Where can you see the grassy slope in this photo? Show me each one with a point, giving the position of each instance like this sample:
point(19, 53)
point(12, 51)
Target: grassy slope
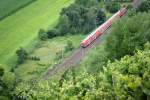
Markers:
point(7, 7)
point(22, 27)
point(47, 52)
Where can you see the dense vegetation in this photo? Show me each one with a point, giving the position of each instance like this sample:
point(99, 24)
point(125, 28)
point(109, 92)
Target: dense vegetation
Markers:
point(113, 6)
point(7, 7)
point(7, 80)
point(124, 79)
point(80, 17)
point(132, 35)
point(117, 69)
point(20, 29)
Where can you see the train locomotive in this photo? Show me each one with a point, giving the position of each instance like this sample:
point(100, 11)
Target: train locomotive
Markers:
point(102, 28)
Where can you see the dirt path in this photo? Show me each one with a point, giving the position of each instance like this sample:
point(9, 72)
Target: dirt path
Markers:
point(78, 54)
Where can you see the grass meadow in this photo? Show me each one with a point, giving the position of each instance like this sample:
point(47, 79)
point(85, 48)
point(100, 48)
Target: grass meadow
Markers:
point(21, 28)
point(7, 7)
point(46, 51)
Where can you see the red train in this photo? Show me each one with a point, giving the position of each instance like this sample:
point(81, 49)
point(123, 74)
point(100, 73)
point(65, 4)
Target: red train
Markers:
point(101, 29)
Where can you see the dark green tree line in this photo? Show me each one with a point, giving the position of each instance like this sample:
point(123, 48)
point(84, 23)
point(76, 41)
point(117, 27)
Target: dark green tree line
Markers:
point(80, 17)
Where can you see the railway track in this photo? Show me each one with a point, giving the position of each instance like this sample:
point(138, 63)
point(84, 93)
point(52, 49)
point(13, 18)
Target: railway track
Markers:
point(78, 54)
point(74, 59)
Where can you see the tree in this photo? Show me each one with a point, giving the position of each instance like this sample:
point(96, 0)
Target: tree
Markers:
point(80, 17)
point(144, 6)
point(113, 7)
point(90, 20)
point(6, 83)
point(42, 34)
point(131, 36)
point(64, 24)
point(22, 55)
point(101, 17)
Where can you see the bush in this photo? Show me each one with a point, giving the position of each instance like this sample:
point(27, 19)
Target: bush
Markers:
point(9, 79)
point(22, 55)
point(53, 33)
point(69, 46)
point(42, 34)
point(144, 6)
point(35, 58)
point(113, 7)
point(101, 17)
point(59, 55)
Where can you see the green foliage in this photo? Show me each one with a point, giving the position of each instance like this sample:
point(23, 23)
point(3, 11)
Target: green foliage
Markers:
point(64, 24)
point(9, 79)
point(80, 17)
point(41, 90)
point(112, 6)
point(22, 55)
point(128, 76)
point(53, 33)
point(144, 6)
point(4, 98)
point(124, 79)
point(69, 46)
point(101, 17)
point(42, 34)
point(133, 33)
point(96, 60)
point(59, 55)
point(1, 71)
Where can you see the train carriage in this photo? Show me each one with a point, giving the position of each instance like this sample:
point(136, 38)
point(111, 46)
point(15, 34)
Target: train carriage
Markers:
point(101, 29)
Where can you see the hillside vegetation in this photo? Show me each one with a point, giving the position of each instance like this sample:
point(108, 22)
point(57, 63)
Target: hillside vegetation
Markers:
point(118, 69)
point(21, 28)
point(8, 7)
point(104, 75)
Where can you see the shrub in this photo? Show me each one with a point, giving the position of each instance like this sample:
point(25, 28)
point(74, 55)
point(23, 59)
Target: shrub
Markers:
point(144, 6)
point(69, 46)
point(42, 34)
point(35, 58)
point(59, 55)
point(113, 7)
point(53, 33)
point(22, 55)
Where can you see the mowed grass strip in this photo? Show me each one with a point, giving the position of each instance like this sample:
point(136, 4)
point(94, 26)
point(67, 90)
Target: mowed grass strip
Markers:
point(22, 27)
point(7, 7)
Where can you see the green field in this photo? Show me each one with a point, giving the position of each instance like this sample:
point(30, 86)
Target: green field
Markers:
point(21, 28)
point(7, 7)
point(46, 51)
